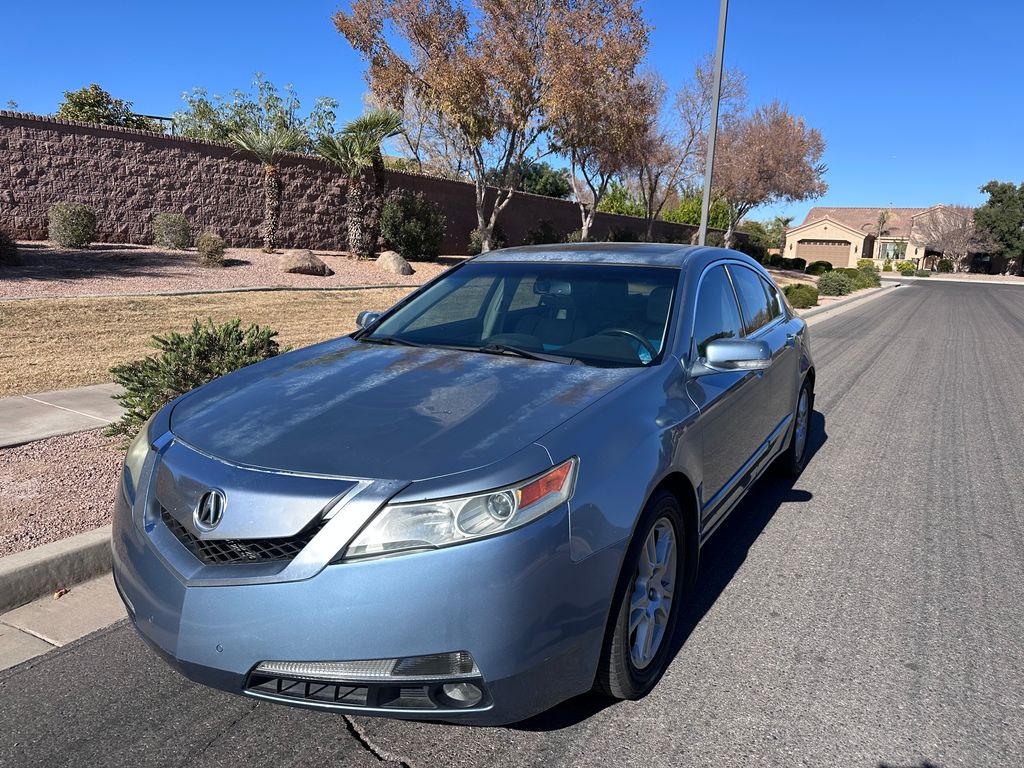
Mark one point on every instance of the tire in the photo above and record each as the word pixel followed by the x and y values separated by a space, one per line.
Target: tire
pixel 625 671
pixel 793 460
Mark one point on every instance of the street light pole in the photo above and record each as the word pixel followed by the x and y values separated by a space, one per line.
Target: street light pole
pixel 709 165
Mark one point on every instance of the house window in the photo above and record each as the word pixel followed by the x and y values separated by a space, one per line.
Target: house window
pixel 890 250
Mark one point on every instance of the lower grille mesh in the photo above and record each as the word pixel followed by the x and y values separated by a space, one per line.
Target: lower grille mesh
pixel 229 551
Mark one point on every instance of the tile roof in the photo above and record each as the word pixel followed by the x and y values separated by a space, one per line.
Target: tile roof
pixel 866 219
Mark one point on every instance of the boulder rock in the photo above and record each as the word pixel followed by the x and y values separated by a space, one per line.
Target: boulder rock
pixel 303 262
pixel 390 261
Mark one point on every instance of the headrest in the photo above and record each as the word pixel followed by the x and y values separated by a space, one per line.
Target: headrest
pixel 658 303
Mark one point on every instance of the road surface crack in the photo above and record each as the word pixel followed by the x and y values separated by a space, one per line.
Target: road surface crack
pixel 220 734
pixel 365 744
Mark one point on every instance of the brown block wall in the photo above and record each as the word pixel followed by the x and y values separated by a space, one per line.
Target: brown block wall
pixel 128 176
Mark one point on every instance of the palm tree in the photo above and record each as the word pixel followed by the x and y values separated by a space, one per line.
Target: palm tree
pixel 356 150
pixel 269 146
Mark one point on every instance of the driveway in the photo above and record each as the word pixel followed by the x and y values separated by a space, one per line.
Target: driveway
pixel 869 615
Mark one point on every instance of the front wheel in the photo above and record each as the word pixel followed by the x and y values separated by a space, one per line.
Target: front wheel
pixel 638 641
pixel 794 458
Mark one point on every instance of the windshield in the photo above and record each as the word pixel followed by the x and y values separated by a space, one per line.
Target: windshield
pixel 605 315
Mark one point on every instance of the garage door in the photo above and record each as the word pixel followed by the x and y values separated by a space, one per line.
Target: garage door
pixel 835 252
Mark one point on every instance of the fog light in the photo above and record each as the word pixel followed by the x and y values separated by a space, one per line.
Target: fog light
pixel 462 694
pixel 437 666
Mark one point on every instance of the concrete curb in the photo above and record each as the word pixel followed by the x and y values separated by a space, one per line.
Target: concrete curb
pixel 24 576
pixel 1018 283
pixel 205 291
pixel 846 302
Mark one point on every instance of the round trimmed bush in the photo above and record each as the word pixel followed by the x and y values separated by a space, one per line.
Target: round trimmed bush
pixel 211 249
pixel 476 240
pixel 907 271
pixel 8 250
pixel 801 295
pixel 834 283
pixel 71 225
pixel 543 234
pixel 887 267
pixel 818 267
pixel 412 225
pixel 922 273
pixel 171 230
pixel 944 265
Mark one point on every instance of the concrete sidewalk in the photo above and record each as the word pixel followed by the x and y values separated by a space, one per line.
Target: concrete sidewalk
pixel 48 623
pixel 24 418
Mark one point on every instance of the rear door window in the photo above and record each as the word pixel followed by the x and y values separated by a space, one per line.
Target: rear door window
pixel 753 299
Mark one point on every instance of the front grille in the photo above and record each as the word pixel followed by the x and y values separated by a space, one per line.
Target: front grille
pixel 231 551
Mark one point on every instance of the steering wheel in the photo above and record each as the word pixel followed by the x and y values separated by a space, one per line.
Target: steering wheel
pixel 632 335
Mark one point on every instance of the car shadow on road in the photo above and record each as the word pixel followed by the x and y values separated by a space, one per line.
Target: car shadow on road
pixel 720 559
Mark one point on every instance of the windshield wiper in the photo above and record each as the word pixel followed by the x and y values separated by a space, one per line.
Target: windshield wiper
pixel 389 340
pixel 505 349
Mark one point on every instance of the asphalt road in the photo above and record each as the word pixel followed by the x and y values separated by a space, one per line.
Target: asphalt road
pixel 872 614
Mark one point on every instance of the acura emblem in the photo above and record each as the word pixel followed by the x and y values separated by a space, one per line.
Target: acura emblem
pixel 210 510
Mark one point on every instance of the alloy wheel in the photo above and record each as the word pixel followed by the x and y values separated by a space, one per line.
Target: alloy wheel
pixel 650 604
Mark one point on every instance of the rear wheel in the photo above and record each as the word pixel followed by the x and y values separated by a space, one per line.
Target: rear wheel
pixel 638 641
pixel 793 459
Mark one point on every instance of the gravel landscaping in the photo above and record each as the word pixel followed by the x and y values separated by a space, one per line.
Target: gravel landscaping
pixel 49 271
pixel 56 488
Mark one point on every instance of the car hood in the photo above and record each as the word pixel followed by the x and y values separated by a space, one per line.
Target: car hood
pixel 364 410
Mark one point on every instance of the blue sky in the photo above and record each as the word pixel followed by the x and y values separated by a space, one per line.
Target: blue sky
pixel 919 102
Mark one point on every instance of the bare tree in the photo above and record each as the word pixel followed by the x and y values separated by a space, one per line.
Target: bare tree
pixel 481 67
pixel 770 156
pixel 669 151
pixel 595 102
pixel 951 230
pixel 430 141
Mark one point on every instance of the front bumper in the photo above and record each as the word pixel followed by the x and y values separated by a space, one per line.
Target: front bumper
pixel 531 618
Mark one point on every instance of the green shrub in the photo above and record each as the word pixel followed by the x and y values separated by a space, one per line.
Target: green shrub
pixel 622 235
pixel 8 250
pixel 860 278
pixel 776 260
pixel 412 225
pixel 818 267
pixel 944 265
pixel 576 236
pixel 908 272
pixel 922 273
pixel 71 225
pixel 887 267
pixel 902 265
pixel 498 240
pixel 211 249
pixel 184 362
pixel 834 283
pixel 799 264
pixel 171 230
pixel 543 234
pixel 866 264
pixel 870 275
pixel 801 295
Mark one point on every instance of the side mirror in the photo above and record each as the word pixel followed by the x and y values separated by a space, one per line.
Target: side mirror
pixel 733 355
pixel 366 318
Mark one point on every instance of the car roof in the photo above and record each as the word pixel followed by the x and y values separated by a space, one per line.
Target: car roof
pixel 641 254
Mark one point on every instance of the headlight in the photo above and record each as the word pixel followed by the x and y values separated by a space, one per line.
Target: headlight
pixel 433 524
pixel 135 458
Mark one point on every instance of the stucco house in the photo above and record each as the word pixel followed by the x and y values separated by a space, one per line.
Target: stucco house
pixel 841 236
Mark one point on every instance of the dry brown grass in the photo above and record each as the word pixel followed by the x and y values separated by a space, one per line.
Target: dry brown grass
pixel 58 343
